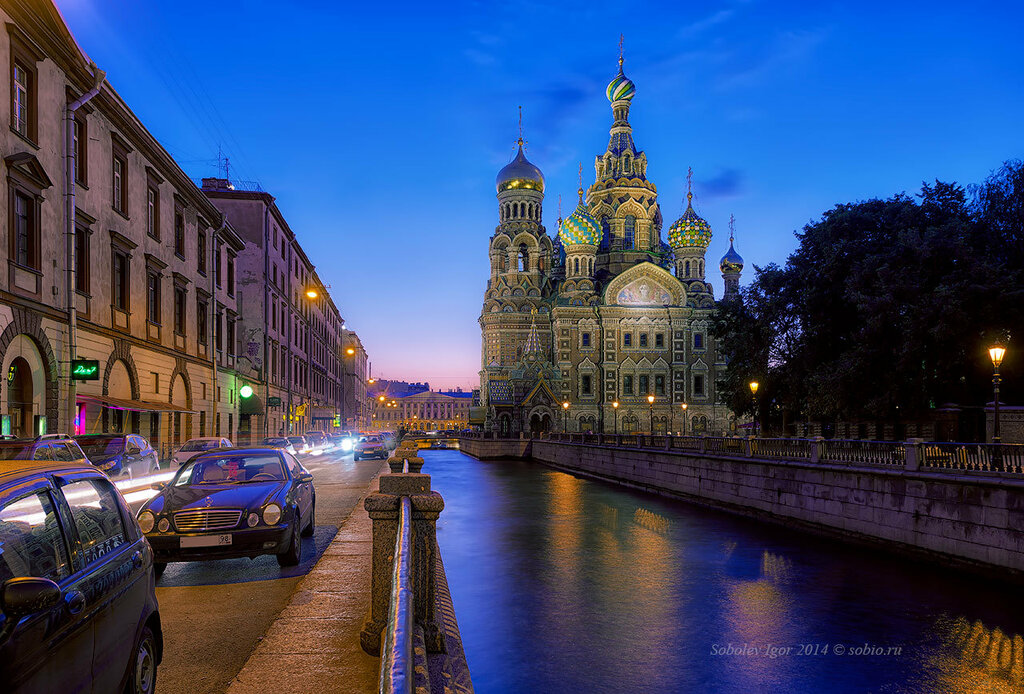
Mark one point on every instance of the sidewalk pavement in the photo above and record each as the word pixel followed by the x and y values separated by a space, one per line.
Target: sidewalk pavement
pixel 313 645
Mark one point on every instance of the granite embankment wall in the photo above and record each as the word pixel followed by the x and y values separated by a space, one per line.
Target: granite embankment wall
pixel 971 520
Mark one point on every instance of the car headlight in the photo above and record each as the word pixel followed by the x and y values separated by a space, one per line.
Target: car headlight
pixel 164 525
pixel 253 519
pixel 272 514
pixel 346 445
pixel 146 521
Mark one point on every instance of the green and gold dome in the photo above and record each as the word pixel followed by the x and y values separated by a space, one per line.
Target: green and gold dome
pixel 520 174
pixel 580 229
pixel 690 230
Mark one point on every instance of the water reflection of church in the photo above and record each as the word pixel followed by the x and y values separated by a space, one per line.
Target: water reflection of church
pixel 606 312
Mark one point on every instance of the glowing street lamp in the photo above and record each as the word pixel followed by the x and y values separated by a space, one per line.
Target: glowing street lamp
pixel 312 293
pixel 565 416
pixel 753 392
pixel 996 353
pixel 684 406
pixel 350 351
pixel 245 391
pixel 615 406
pixel 650 403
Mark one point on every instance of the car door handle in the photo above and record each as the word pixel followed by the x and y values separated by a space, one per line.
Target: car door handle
pixel 137 560
pixel 75 601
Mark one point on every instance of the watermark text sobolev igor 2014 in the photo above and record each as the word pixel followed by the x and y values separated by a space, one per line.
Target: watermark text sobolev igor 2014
pixel 769 650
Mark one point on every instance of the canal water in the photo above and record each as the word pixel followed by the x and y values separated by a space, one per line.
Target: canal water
pixel 563 584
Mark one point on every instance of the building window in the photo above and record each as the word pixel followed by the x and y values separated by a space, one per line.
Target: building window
pixel 659 385
pixel 80 148
pixel 21 108
pixel 231 274
pixel 629 229
pixel 82 260
pixel 216 264
pixel 231 336
pixel 120 267
pixel 698 385
pixel 153 212
pixel 643 339
pixel 218 331
pixel 627 385
pixel 659 341
pixel 179 310
pixel 153 296
pixel 118 200
pixel 586 386
pixel 586 339
pixel 644 384
pixel 201 252
pixel 202 309
pixel 26 231
pixel 179 234
pixel 627 339
pixel 698 341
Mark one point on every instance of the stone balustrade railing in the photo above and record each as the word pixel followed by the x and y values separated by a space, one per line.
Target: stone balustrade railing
pixel 914 454
pixel 409 592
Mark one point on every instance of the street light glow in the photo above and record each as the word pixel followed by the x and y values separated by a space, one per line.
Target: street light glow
pixel 996 353
pixel 350 351
pixel 615 404
pixel 312 293
pixel 650 399
pixel 565 405
pixel 753 387
pixel 245 391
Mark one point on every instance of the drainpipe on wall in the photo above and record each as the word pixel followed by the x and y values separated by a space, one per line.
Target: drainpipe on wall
pixel 69 230
pixel 212 317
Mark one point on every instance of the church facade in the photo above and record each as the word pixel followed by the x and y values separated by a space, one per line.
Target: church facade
pixel 605 327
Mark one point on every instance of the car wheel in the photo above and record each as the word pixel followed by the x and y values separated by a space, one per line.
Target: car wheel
pixel 293 554
pixel 308 531
pixel 158 568
pixel 142 678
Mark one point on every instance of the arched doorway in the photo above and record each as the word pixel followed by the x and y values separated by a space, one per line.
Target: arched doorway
pixel 24 374
pixel 505 425
pixel 119 385
pixel 20 400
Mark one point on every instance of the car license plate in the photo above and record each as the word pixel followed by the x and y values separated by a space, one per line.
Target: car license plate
pixel 205 541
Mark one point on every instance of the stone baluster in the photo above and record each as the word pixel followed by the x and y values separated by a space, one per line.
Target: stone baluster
pixel 816 448
pixel 913 453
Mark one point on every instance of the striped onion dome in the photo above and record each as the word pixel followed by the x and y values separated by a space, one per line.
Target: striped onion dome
pixel 621 87
pixel 580 229
pixel 690 230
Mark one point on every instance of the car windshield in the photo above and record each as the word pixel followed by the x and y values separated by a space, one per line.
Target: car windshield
pixel 101 446
pixel 296 439
pixel 16 450
pixel 231 469
pixel 200 445
pixel 275 441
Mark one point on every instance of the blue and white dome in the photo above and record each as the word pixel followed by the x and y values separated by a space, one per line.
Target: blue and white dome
pixel 621 87
pixel 580 229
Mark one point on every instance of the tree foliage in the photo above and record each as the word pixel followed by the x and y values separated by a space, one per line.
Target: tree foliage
pixel 886 307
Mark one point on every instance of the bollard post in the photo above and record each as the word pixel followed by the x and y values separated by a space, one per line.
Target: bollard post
pixel 747 448
pixel 913 454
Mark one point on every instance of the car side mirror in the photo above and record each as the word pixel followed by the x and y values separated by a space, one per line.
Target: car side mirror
pixel 24 596
pixel 305 477
pixel 158 486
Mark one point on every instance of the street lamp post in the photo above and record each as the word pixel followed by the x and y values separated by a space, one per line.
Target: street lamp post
pixel 684 418
pixel 615 407
pixel 753 392
pixel 650 403
pixel 565 416
pixel 996 352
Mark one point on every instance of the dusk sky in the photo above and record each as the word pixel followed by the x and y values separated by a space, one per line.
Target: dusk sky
pixel 379 127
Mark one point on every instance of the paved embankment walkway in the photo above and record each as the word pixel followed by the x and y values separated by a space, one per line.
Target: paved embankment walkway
pixel 313 645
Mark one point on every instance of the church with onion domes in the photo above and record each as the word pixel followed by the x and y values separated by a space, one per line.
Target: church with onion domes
pixel 604 327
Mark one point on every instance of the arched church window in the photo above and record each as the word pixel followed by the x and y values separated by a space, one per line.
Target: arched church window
pixel 687 272
pixel 524 258
pixel 502 263
pixel 702 267
pixel 629 232
pixel 576 266
pixel 606 234
pixel 522 209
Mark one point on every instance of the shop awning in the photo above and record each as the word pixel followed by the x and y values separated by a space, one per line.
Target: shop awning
pixel 134 405
pixel 250 405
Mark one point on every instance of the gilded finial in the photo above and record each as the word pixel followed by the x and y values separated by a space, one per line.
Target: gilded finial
pixel 580 191
pixel 689 185
pixel 621 39
pixel 732 228
pixel 521 141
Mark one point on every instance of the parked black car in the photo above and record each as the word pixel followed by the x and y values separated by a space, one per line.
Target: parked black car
pixel 78 607
pixel 120 455
pixel 241 502
pixel 58 449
